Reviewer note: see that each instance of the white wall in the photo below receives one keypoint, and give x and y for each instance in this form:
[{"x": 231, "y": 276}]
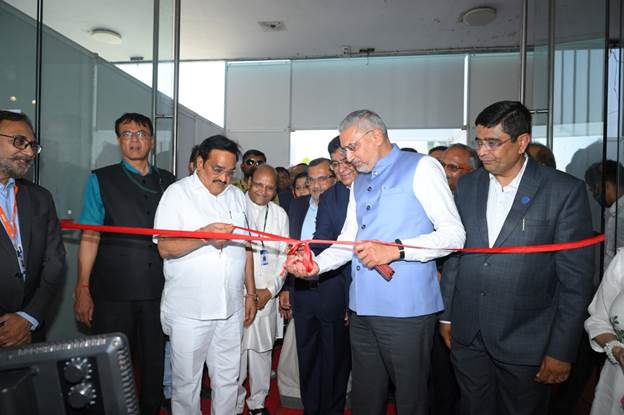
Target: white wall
[{"x": 265, "y": 101}]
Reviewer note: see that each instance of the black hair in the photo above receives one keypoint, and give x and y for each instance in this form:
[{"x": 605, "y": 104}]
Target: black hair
[
  {"x": 299, "y": 176},
  {"x": 194, "y": 153},
  {"x": 514, "y": 118},
  {"x": 140, "y": 119},
  {"x": 253, "y": 152},
  {"x": 16, "y": 117},
  {"x": 544, "y": 156},
  {"x": 437, "y": 148},
  {"x": 409, "y": 149},
  {"x": 612, "y": 171},
  {"x": 318, "y": 161},
  {"x": 281, "y": 169},
  {"x": 333, "y": 145},
  {"x": 217, "y": 142}
]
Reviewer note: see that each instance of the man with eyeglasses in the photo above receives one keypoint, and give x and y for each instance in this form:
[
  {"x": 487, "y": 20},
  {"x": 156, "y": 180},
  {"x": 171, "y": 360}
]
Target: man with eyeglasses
[
  {"x": 251, "y": 159},
  {"x": 32, "y": 256},
  {"x": 334, "y": 359},
  {"x": 120, "y": 277},
  {"x": 457, "y": 160},
  {"x": 204, "y": 306},
  {"x": 513, "y": 321},
  {"x": 318, "y": 308},
  {"x": 399, "y": 197}
]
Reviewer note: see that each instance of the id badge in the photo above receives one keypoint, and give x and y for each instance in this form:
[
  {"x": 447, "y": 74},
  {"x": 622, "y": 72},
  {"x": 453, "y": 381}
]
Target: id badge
[{"x": 264, "y": 257}]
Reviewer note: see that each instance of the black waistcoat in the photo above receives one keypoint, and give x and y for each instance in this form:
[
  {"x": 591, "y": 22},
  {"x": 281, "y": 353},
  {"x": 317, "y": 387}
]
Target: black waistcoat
[{"x": 128, "y": 267}]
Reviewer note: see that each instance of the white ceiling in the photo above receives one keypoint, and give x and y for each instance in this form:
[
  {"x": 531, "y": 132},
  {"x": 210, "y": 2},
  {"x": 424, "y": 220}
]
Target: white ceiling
[{"x": 229, "y": 29}]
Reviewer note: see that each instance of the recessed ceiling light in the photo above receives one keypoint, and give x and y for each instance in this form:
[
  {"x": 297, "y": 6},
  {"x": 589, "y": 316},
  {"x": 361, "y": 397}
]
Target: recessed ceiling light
[
  {"x": 479, "y": 16},
  {"x": 106, "y": 36},
  {"x": 272, "y": 26}
]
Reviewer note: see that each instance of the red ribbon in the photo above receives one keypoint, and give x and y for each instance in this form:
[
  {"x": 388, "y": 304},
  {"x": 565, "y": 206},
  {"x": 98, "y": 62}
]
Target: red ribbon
[{"x": 304, "y": 245}]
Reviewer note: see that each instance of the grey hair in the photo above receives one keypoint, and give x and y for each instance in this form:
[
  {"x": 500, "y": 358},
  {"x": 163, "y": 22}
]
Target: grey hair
[
  {"x": 475, "y": 163},
  {"x": 364, "y": 120}
]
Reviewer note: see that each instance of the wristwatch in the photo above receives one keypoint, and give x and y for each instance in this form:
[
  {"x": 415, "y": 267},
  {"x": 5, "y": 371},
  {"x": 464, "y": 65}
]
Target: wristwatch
[{"x": 401, "y": 248}]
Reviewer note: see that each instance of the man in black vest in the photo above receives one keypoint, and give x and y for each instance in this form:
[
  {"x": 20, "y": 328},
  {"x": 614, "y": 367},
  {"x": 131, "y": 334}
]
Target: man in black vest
[{"x": 120, "y": 277}]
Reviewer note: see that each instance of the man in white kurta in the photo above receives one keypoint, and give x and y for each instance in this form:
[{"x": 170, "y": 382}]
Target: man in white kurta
[
  {"x": 268, "y": 258},
  {"x": 203, "y": 305}
]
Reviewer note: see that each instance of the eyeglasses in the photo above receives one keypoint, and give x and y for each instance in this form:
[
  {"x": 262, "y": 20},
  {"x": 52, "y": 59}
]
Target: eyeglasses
[
  {"x": 219, "y": 171},
  {"x": 490, "y": 143},
  {"x": 252, "y": 162},
  {"x": 140, "y": 135},
  {"x": 335, "y": 165},
  {"x": 453, "y": 167},
  {"x": 354, "y": 146},
  {"x": 22, "y": 143},
  {"x": 320, "y": 179}
]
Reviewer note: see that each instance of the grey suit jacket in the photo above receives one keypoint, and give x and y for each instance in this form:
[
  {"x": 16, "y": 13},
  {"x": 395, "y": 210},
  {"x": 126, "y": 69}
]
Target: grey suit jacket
[{"x": 524, "y": 305}]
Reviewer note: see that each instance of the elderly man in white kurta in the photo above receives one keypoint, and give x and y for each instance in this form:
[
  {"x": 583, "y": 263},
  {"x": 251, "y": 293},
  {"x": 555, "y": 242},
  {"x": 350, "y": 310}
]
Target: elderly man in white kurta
[
  {"x": 269, "y": 258},
  {"x": 203, "y": 306}
]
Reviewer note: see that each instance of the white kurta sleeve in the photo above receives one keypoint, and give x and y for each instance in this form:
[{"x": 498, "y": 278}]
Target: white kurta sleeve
[
  {"x": 278, "y": 280},
  {"x": 611, "y": 285},
  {"x": 432, "y": 191},
  {"x": 168, "y": 213}
]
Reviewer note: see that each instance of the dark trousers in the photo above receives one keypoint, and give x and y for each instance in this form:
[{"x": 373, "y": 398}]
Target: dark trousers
[
  {"x": 443, "y": 388},
  {"x": 323, "y": 354},
  {"x": 390, "y": 349},
  {"x": 140, "y": 322},
  {"x": 491, "y": 387}
]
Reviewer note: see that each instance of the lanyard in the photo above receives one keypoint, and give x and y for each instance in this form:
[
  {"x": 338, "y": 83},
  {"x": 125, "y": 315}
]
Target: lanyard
[
  {"x": 11, "y": 227},
  {"x": 139, "y": 185},
  {"x": 266, "y": 215}
]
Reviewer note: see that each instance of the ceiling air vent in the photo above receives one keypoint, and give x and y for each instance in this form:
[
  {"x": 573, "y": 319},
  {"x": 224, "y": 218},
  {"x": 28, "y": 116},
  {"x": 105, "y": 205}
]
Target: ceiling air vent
[{"x": 272, "y": 26}]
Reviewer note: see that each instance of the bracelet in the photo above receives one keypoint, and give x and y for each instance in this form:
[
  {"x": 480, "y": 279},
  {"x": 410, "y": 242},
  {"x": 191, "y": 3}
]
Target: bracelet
[
  {"x": 83, "y": 286},
  {"x": 608, "y": 348},
  {"x": 254, "y": 296},
  {"x": 401, "y": 248}
]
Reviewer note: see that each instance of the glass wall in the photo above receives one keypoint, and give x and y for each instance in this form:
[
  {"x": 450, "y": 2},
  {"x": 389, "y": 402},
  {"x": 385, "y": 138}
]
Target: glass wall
[
  {"x": 578, "y": 109},
  {"x": 81, "y": 96},
  {"x": 82, "y": 93}
]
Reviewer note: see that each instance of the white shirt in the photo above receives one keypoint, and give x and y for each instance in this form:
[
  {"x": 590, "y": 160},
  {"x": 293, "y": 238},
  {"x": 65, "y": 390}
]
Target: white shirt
[
  {"x": 431, "y": 189},
  {"x": 206, "y": 283},
  {"x": 260, "y": 335},
  {"x": 499, "y": 202},
  {"x": 272, "y": 219}
]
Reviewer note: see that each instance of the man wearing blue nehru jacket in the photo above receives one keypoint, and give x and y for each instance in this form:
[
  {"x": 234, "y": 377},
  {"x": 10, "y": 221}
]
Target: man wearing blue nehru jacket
[{"x": 403, "y": 197}]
